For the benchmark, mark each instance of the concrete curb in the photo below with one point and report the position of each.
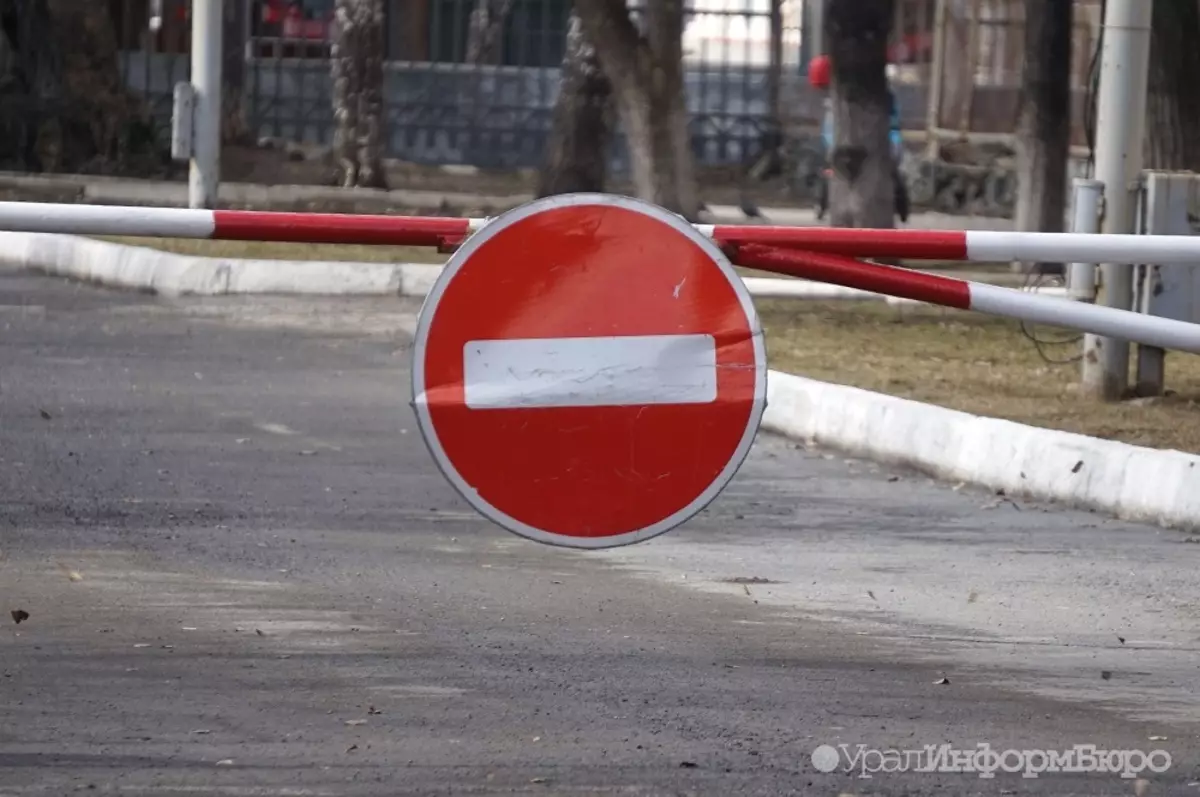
(1131, 482)
(1141, 484)
(170, 274)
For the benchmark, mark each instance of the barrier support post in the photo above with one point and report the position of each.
(204, 170)
(1120, 123)
(1085, 218)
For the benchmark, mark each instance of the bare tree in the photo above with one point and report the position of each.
(645, 64)
(1044, 124)
(862, 191)
(356, 64)
(234, 126)
(1173, 105)
(577, 154)
(485, 28)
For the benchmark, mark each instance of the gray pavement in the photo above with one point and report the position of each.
(244, 576)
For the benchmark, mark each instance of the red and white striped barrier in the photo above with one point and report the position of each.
(333, 228)
(963, 295)
(235, 225)
(977, 246)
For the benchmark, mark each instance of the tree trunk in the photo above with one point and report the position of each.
(485, 30)
(577, 154)
(1173, 105)
(1044, 123)
(646, 70)
(234, 127)
(356, 64)
(862, 190)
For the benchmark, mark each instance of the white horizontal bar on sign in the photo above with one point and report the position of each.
(590, 372)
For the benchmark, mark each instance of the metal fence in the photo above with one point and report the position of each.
(975, 81)
(960, 69)
(442, 109)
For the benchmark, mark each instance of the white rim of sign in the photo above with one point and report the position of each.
(464, 254)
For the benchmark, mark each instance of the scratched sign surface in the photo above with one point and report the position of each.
(589, 371)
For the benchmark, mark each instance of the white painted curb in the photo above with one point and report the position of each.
(1141, 484)
(170, 274)
(1131, 482)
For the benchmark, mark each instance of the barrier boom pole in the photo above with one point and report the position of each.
(380, 230)
(979, 297)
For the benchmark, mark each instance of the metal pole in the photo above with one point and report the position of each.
(1120, 123)
(937, 81)
(1085, 218)
(203, 175)
(816, 28)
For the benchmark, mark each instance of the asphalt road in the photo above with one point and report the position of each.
(244, 576)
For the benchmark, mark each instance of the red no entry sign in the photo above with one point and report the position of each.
(589, 371)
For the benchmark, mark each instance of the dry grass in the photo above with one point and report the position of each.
(955, 359)
(974, 363)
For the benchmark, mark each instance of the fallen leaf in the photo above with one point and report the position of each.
(537, 780)
(1158, 738)
(1078, 467)
(942, 681)
(259, 632)
(19, 616)
(972, 596)
(872, 596)
(373, 710)
(1106, 674)
(201, 731)
(45, 415)
(225, 762)
(351, 748)
(1121, 639)
(356, 722)
(142, 645)
(688, 764)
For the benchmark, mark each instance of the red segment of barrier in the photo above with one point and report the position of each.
(902, 244)
(336, 228)
(850, 273)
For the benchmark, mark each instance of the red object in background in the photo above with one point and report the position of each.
(819, 70)
(297, 26)
(911, 49)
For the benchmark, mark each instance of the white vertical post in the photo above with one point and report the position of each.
(203, 175)
(816, 27)
(1120, 125)
(1085, 218)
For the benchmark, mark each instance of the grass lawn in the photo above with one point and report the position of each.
(962, 360)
